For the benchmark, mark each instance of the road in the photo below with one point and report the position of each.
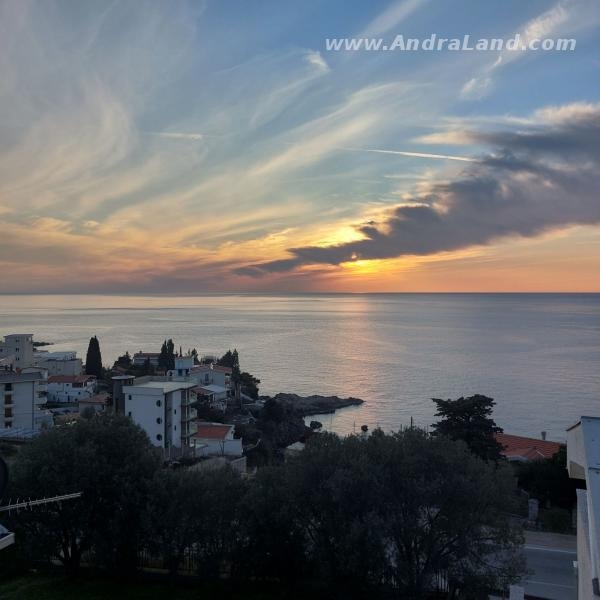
(550, 558)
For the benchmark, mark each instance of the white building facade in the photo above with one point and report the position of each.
(22, 396)
(59, 363)
(583, 462)
(70, 388)
(20, 347)
(163, 410)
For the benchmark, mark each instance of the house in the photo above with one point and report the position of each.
(20, 347)
(523, 449)
(98, 403)
(59, 363)
(141, 358)
(216, 439)
(162, 408)
(583, 462)
(70, 388)
(183, 366)
(212, 374)
(22, 396)
(214, 395)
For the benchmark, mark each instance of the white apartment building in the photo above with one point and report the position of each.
(59, 363)
(70, 388)
(20, 346)
(583, 462)
(163, 410)
(21, 398)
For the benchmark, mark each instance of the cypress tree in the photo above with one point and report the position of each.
(93, 359)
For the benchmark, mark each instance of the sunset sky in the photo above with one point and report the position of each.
(188, 147)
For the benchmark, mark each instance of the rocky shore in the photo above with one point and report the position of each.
(314, 405)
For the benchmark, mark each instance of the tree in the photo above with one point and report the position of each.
(124, 360)
(398, 511)
(93, 359)
(249, 384)
(166, 360)
(469, 420)
(175, 515)
(111, 461)
(194, 355)
(548, 480)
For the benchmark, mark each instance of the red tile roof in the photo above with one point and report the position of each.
(70, 378)
(212, 432)
(524, 448)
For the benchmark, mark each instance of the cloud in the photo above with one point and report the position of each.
(314, 58)
(391, 17)
(567, 17)
(175, 135)
(534, 181)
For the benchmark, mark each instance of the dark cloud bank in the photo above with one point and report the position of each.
(541, 178)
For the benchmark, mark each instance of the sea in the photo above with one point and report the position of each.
(537, 355)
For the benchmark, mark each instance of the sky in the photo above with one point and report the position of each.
(219, 146)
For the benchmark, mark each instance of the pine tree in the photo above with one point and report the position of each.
(93, 359)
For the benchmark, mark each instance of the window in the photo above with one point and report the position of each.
(159, 437)
(158, 403)
(129, 414)
(129, 397)
(175, 412)
(158, 421)
(8, 387)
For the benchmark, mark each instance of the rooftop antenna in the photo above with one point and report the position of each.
(6, 537)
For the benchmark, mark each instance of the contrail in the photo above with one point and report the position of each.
(414, 154)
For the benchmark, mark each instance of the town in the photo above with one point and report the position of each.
(203, 414)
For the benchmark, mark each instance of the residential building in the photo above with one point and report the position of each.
(583, 462)
(22, 396)
(183, 366)
(20, 346)
(141, 358)
(98, 403)
(59, 363)
(212, 374)
(524, 449)
(70, 388)
(216, 439)
(163, 410)
(119, 382)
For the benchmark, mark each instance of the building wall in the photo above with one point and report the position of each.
(19, 406)
(158, 413)
(584, 562)
(19, 345)
(65, 392)
(72, 366)
(212, 447)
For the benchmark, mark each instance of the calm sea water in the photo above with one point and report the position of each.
(537, 355)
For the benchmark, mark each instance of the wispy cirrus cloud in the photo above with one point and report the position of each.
(567, 17)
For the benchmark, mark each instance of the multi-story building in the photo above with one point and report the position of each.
(19, 346)
(70, 388)
(583, 463)
(140, 359)
(21, 398)
(162, 408)
(59, 363)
